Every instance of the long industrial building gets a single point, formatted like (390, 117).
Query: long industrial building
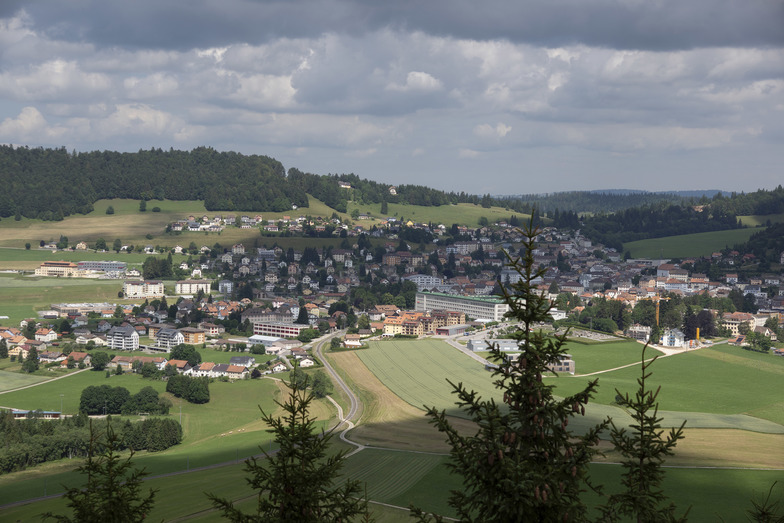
(474, 307)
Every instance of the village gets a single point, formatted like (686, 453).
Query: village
(273, 301)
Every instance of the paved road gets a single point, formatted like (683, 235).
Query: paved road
(353, 399)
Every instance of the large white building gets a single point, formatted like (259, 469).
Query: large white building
(474, 307)
(192, 287)
(283, 330)
(123, 338)
(143, 289)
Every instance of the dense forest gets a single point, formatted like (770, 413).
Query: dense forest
(50, 184)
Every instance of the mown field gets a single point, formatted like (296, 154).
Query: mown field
(760, 220)
(22, 296)
(721, 380)
(686, 245)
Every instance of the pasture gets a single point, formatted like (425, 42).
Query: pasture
(22, 296)
(721, 380)
(227, 429)
(686, 245)
(462, 213)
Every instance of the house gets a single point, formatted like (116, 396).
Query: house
(50, 357)
(193, 336)
(245, 361)
(203, 369)
(307, 361)
(278, 367)
(672, 338)
(236, 372)
(182, 366)
(352, 341)
(45, 334)
(77, 357)
(126, 362)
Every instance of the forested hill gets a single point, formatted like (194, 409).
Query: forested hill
(52, 183)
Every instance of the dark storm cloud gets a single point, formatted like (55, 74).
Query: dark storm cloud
(617, 24)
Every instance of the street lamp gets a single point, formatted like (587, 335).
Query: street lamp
(61, 404)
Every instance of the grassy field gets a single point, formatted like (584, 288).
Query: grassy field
(462, 213)
(701, 244)
(721, 380)
(227, 428)
(759, 220)
(22, 296)
(133, 227)
(417, 370)
(383, 409)
(594, 357)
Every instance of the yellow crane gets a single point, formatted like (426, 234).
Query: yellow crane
(656, 299)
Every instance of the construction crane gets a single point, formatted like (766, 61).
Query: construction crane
(656, 299)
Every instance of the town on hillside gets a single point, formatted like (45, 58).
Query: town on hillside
(380, 283)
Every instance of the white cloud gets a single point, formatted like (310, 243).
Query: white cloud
(488, 131)
(418, 81)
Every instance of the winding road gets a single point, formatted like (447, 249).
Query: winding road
(353, 399)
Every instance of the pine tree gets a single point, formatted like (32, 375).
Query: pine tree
(644, 450)
(298, 483)
(113, 490)
(523, 463)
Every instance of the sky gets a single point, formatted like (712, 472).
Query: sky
(499, 97)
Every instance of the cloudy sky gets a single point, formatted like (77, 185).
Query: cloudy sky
(504, 97)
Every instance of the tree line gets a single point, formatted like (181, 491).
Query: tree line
(29, 442)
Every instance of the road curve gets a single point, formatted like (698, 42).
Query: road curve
(353, 399)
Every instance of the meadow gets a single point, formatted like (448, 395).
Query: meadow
(22, 295)
(688, 245)
(760, 220)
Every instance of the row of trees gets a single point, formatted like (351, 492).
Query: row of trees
(34, 440)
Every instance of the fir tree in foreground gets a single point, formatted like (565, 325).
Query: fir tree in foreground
(113, 490)
(523, 463)
(298, 483)
(644, 449)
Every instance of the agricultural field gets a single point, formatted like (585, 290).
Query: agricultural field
(22, 295)
(686, 245)
(462, 213)
(720, 381)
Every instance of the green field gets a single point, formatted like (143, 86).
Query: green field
(417, 370)
(722, 380)
(759, 220)
(14, 380)
(701, 386)
(701, 244)
(22, 296)
(461, 213)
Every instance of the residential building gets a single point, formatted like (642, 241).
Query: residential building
(193, 336)
(192, 287)
(168, 338)
(123, 338)
(143, 289)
